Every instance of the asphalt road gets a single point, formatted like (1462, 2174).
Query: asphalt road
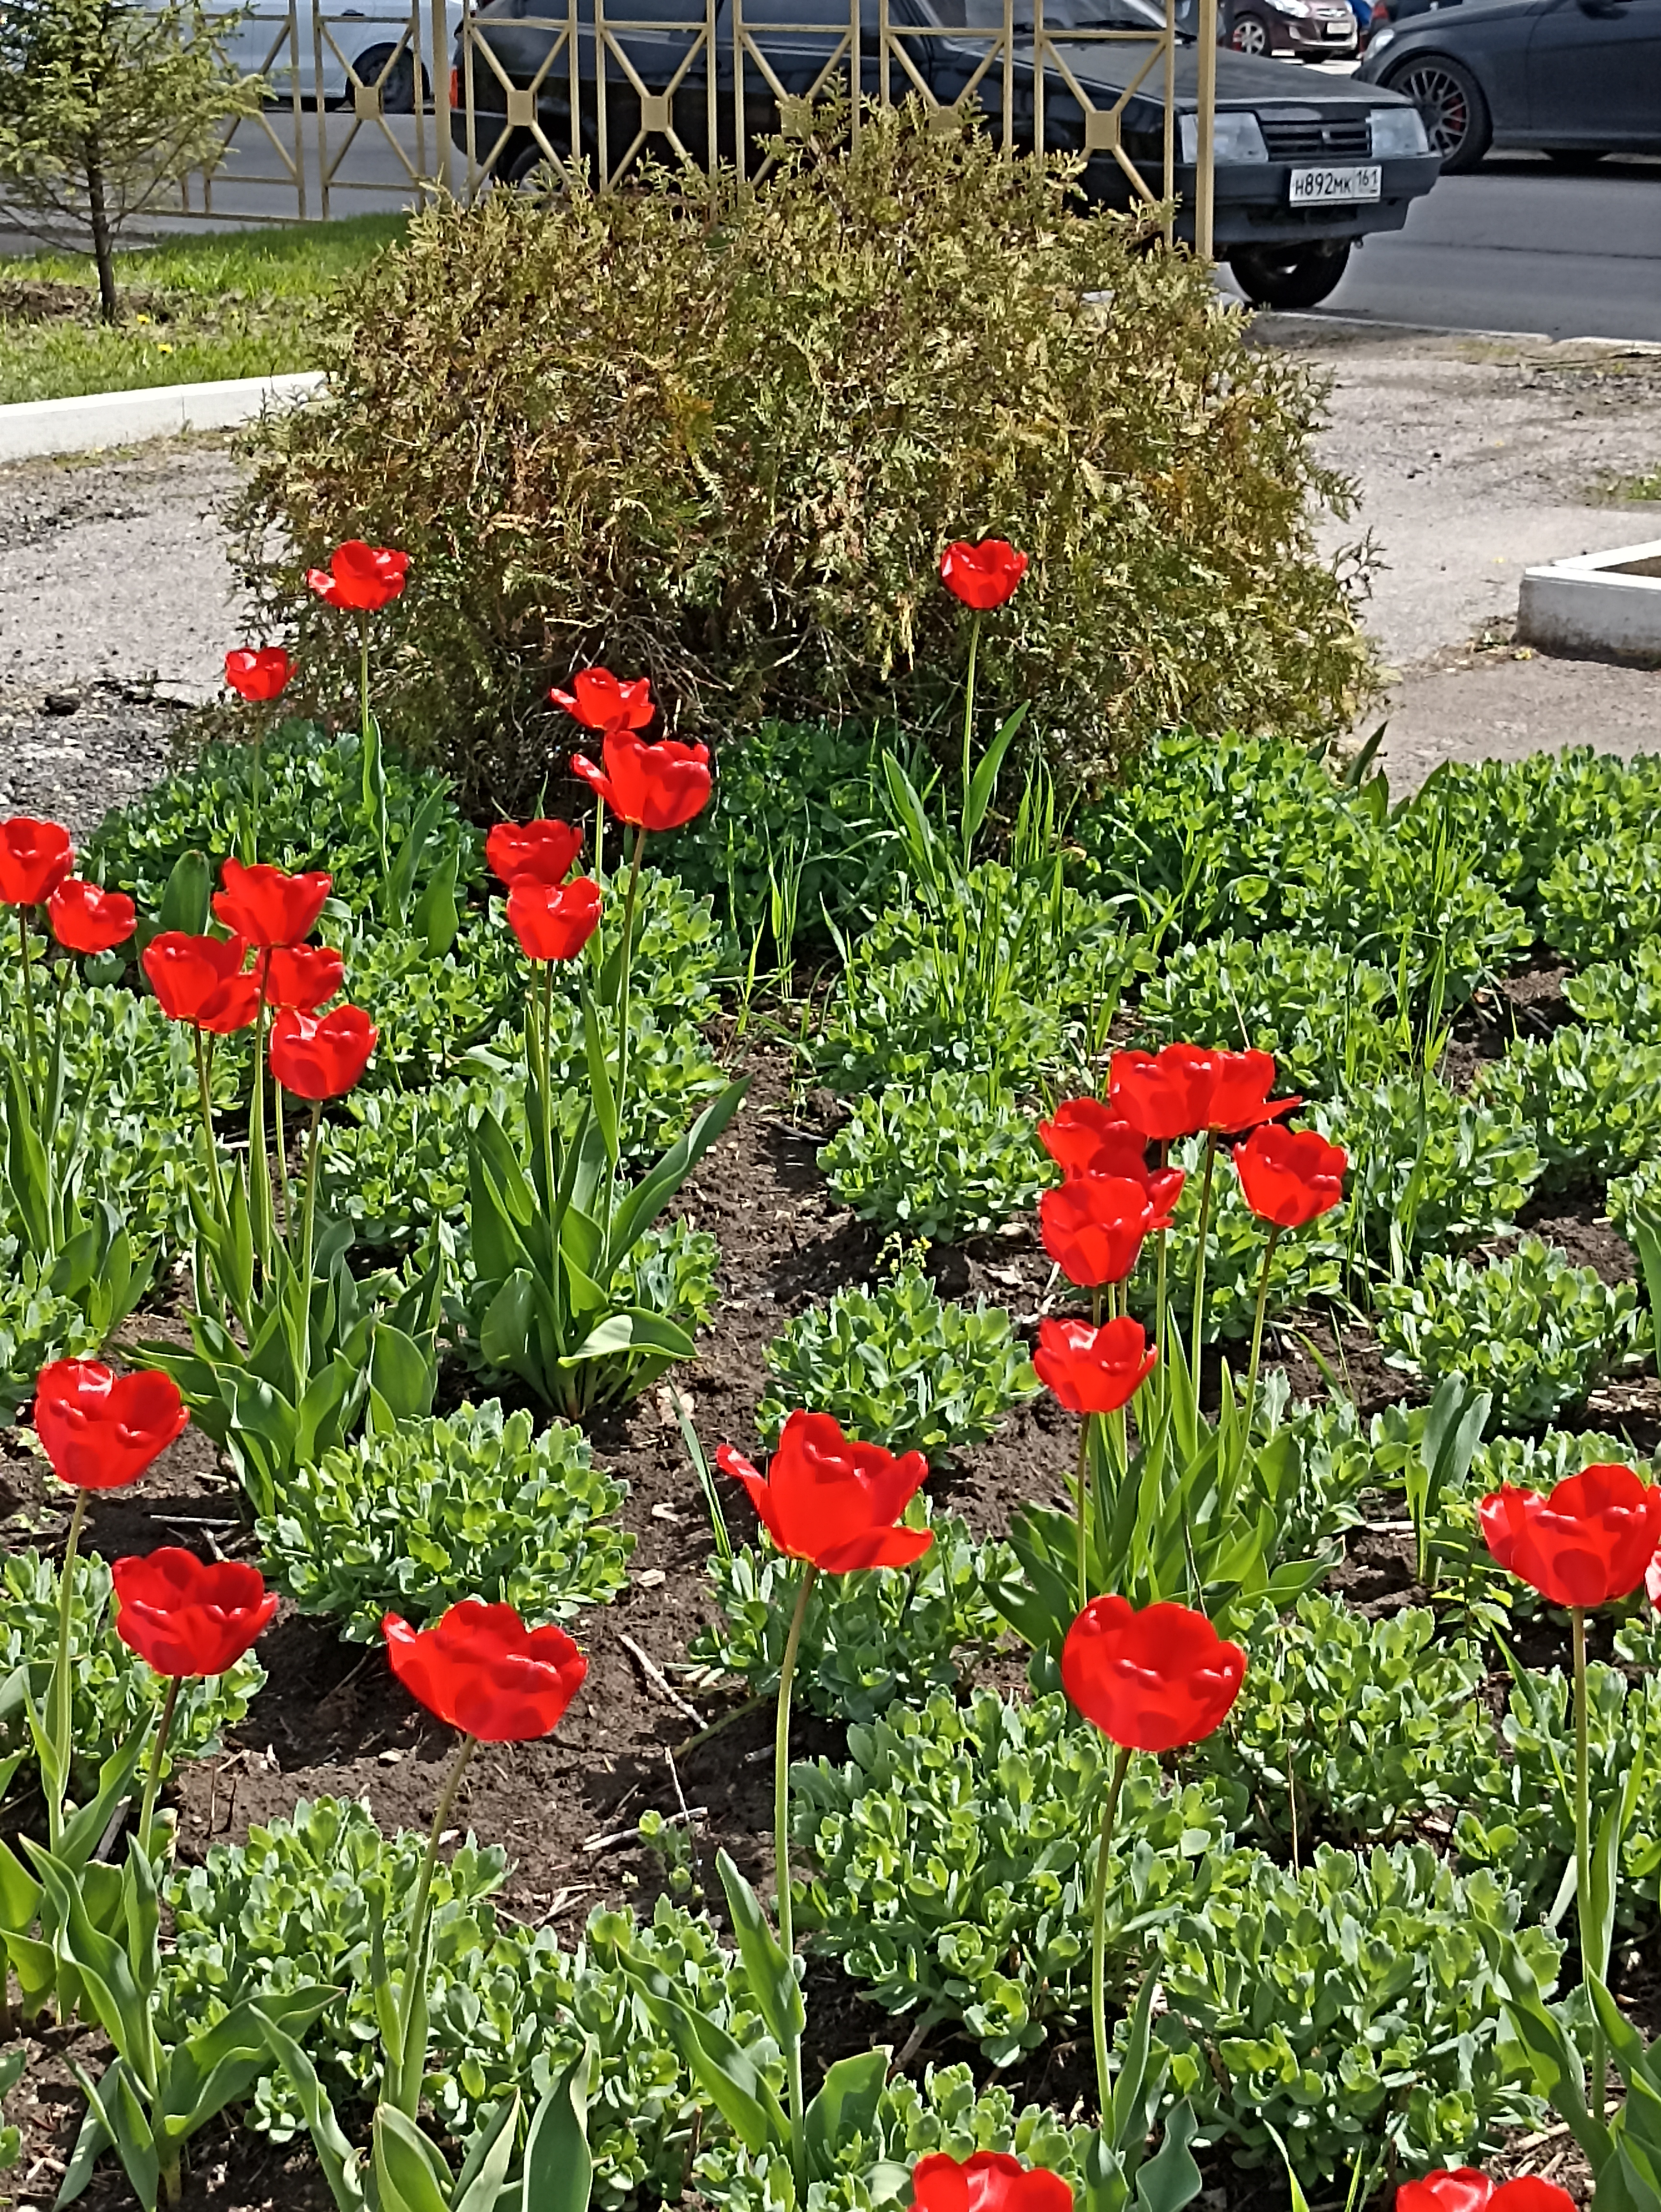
(1517, 248)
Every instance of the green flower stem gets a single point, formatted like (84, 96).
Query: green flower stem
(1099, 1938)
(158, 1752)
(1588, 1965)
(253, 823)
(62, 1680)
(539, 1032)
(1158, 1300)
(1081, 1484)
(969, 728)
(37, 1080)
(280, 1147)
(407, 2093)
(782, 1865)
(1199, 1257)
(625, 979)
(259, 1166)
(1257, 1328)
(307, 1245)
(204, 1093)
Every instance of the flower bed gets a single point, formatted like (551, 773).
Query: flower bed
(1205, 1568)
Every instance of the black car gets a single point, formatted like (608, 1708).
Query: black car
(1306, 165)
(1575, 79)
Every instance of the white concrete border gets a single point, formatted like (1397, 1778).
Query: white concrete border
(35, 428)
(1603, 606)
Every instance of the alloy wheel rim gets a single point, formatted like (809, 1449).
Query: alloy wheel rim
(1442, 101)
(1249, 37)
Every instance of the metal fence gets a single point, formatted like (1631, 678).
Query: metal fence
(359, 115)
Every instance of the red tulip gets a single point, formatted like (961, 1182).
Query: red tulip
(482, 1670)
(1085, 1138)
(1184, 1090)
(1093, 1371)
(1291, 1176)
(267, 907)
(828, 1499)
(101, 1430)
(982, 576)
(183, 1617)
(360, 578)
(89, 919)
(199, 980)
(1093, 1227)
(34, 858)
(302, 977)
(553, 921)
(261, 675)
(1153, 1680)
(541, 850)
(600, 701)
(321, 1056)
(1588, 1541)
(986, 2181)
(657, 787)
(1463, 2189)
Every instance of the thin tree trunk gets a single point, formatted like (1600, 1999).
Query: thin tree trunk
(109, 307)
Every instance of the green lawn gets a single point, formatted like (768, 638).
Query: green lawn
(243, 303)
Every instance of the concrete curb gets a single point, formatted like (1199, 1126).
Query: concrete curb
(36, 429)
(1600, 606)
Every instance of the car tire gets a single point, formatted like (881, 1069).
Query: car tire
(1289, 277)
(1456, 115)
(1251, 34)
(398, 87)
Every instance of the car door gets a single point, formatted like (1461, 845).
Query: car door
(1594, 73)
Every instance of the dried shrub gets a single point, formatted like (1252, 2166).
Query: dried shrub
(723, 438)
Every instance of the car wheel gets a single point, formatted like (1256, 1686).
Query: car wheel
(397, 83)
(1250, 35)
(1289, 275)
(1574, 157)
(1451, 100)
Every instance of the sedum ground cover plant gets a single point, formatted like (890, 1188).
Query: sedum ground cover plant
(1120, 1749)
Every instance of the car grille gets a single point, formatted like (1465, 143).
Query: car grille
(1317, 141)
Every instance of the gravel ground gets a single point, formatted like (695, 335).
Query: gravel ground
(1473, 458)
(116, 609)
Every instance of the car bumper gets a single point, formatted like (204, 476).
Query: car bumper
(1250, 201)
(1310, 41)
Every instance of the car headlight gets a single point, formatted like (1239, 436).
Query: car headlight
(1380, 40)
(1235, 138)
(1397, 131)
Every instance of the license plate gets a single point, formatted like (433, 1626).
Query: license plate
(1309, 187)
(1337, 30)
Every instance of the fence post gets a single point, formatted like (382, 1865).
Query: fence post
(443, 151)
(1205, 130)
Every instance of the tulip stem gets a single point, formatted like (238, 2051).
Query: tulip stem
(158, 1752)
(61, 1697)
(1257, 1330)
(259, 1166)
(1098, 1939)
(625, 977)
(1589, 1936)
(406, 2092)
(1200, 1254)
(280, 1147)
(968, 732)
(37, 1083)
(307, 1242)
(781, 1864)
(1081, 1480)
(205, 1094)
